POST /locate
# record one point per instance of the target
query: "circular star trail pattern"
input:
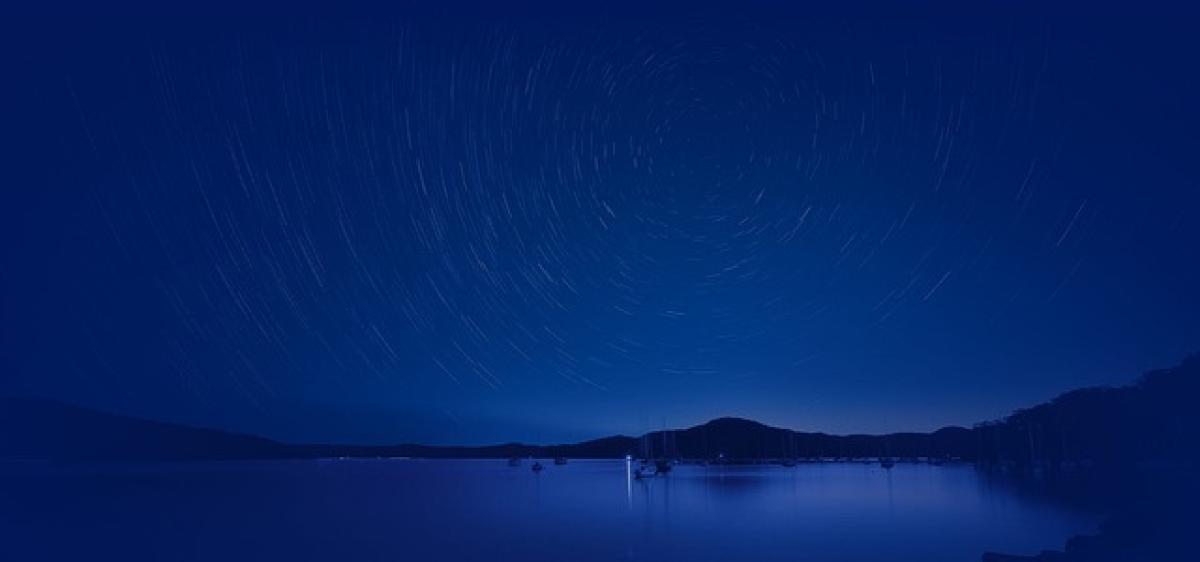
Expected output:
(512, 222)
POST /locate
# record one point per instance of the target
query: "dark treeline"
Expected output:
(1152, 420)
(1143, 439)
(1155, 420)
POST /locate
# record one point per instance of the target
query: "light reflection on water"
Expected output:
(485, 510)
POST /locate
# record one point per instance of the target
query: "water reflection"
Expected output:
(484, 510)
(936, 513)
(629, 481)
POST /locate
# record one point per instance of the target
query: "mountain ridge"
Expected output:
(1150, 419)
(70, 432)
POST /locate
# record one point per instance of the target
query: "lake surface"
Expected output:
(402, 510)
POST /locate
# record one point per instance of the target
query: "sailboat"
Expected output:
(887, 462)
(662, 465)
(651, 466)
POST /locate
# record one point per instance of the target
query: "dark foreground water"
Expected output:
(401, 510)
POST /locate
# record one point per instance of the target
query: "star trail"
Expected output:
(464, 230)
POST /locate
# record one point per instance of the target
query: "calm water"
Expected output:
(484, 510)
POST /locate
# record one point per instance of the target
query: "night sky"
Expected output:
(465, 227)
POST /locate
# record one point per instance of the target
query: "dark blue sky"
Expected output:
(470, 227)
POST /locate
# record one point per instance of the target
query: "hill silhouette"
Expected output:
(1152, 420)
(37, 428)
(45, 429)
